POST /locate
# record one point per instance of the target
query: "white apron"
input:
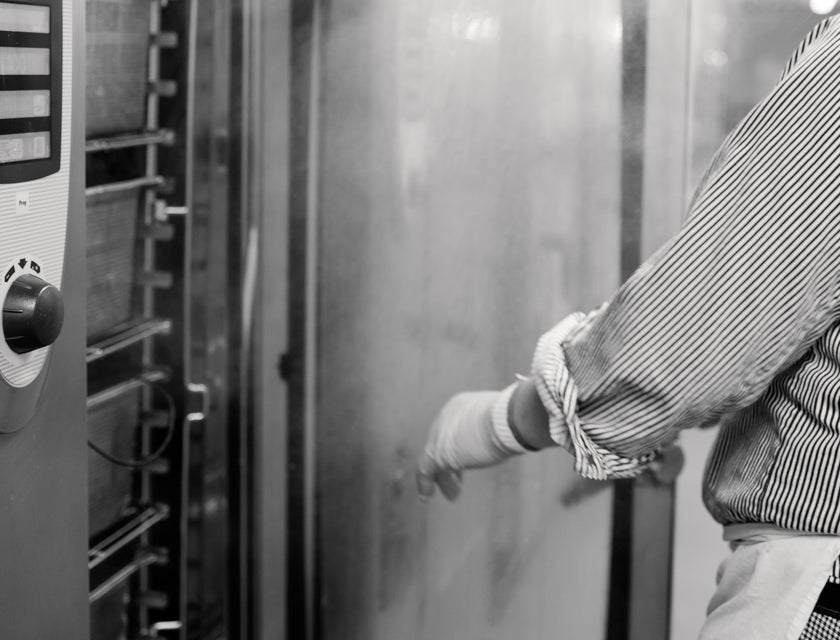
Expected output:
(769, 584)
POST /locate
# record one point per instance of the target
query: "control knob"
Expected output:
(33, 313)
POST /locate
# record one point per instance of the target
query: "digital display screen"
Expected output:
(24, 104)
(24, 146)
(24, 18)
(26, 83)
(24, 61)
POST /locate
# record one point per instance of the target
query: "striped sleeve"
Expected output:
(738, 295)
(805, 46)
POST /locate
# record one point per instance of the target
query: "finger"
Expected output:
(449, 482)
(425, 475)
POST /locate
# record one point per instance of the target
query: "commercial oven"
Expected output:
(42, 381)
(167, 550)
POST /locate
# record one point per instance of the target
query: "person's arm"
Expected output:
(741, 293)
(527, 416)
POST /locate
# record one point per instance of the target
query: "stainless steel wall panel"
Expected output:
(270, 24)
(467, 199)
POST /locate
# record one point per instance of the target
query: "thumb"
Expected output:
(425, 475)
(430, 473)
(449, 482)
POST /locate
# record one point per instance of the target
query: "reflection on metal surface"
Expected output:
(582, 489)
(664, 471)
(615, 28)
(715, 58)
(822, 7)
(667, 467)
(474, 26)
(159, 627)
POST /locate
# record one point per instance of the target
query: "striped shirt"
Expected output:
(734, 322)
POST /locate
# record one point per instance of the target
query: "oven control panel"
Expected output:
(35, 113)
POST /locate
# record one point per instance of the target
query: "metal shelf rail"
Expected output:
(130, 140)
(154, 212)
(141, 381)
(140, 334)
(127, 533)
(142, 559)
(128, 337)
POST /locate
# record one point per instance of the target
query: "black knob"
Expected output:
(33, 313)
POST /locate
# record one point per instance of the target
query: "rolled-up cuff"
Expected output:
(559, 394)
(549, 371)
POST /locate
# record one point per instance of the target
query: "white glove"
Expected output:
(470, 432)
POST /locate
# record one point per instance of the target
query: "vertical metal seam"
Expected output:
(688, 130)
(252, 126)
(189, 185)
(311, 328)
(249, 247)
(633, 108)
(631, 184)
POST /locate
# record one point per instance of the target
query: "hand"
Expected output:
(461, 437)
(666, 466)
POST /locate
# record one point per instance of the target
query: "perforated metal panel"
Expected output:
(109, 616)
(112, 254)
(117, 54)
(112, 427)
